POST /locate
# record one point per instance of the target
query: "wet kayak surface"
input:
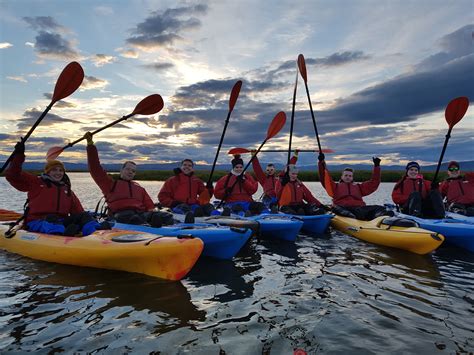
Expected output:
(326, 294)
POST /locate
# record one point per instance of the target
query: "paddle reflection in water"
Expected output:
(58, 307)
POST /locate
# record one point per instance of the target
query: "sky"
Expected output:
(380, 75)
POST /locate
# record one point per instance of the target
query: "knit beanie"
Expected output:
(237, 160)
(412, 164)
(51, 164)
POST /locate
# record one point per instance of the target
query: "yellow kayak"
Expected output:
(391, 232)
(169, 258)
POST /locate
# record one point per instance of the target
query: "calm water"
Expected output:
(329, 294)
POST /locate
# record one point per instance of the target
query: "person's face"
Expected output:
(293, 176)
(347, 176)
(454, 172)
(412, 173)
(238, 168)
(56, 173)
(187, 167)
(128, 172)
(270, 170)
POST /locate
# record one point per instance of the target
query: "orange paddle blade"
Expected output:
(54, 152)
(455, 110)
(328, 183)
(277, 124)
(238, 151)
(69, 80)
(149, 105)
(234, 95)
(285, 198)
(204, 197)
(302, 67)
(6, 215)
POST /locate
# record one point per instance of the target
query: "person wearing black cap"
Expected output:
(415, 195)
(238, 197)
(458, 190)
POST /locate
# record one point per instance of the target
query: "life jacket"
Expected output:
(348, 194)
(182, 188)
(127, 195)
(242, 191)
(299, 193)
(405, 186)
(458, 190)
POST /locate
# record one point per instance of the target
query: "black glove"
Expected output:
(209, 186)
(175, 203)
(434, 185)
(176, 171)
(20, 147)
(228, 190)
(321, 156)
(376, 161)
(285, 180)
(241, 177)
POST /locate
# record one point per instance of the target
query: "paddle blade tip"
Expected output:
(238, 151)
(69, 81)
(53, 153)
(456, 110)
(276, 125)
(234, 95)
(149, 105)
(302, 67)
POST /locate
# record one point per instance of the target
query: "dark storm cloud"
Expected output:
(164, 28)
(54, 45)
(158, 66)
(30, 117)
(43, 23)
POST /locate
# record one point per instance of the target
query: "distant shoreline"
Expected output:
(359, 175)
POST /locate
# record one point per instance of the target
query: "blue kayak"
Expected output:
(284, 227)
(460, 217)
(219, 242)
(316, 224)
(456, 232)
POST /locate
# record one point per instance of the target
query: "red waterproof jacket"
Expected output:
(268, 182)
(405, 186)
(350, 194)
(242, 191)
(459, 190)
(182, 188)
(45, 197)
(119, 194)
(299, 193)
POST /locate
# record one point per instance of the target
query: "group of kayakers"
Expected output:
(52, 206)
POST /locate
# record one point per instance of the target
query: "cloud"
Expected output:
(158, 66)
(31, 116)
(4, 45)
(100, 60)
(17, 78)
(49, 42)
(60, 103)
(43, 23)
(164, 28)
(104, 10)
(91, 82)
(128, 53)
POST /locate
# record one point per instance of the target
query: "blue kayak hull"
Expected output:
(456, 232)
(277, 226)
(460, 217)
(317, 224)
(219, 242)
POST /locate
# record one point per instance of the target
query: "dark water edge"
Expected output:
(328, 294)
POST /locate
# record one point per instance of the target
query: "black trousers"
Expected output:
(431, 206)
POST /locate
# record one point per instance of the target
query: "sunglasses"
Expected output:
(453, 169)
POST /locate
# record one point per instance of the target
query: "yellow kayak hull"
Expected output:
(413, 239)
(168, 258)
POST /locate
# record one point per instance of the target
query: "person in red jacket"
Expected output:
(181, 192)
(236, 189)
(416, 196)
(458, 190)
(301, 201)
(52, 208)
(268, 179)
(347, 195)
(128, 202)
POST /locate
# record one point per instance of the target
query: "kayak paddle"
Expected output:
(148, 106)
(69, 80)
(245, 150)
